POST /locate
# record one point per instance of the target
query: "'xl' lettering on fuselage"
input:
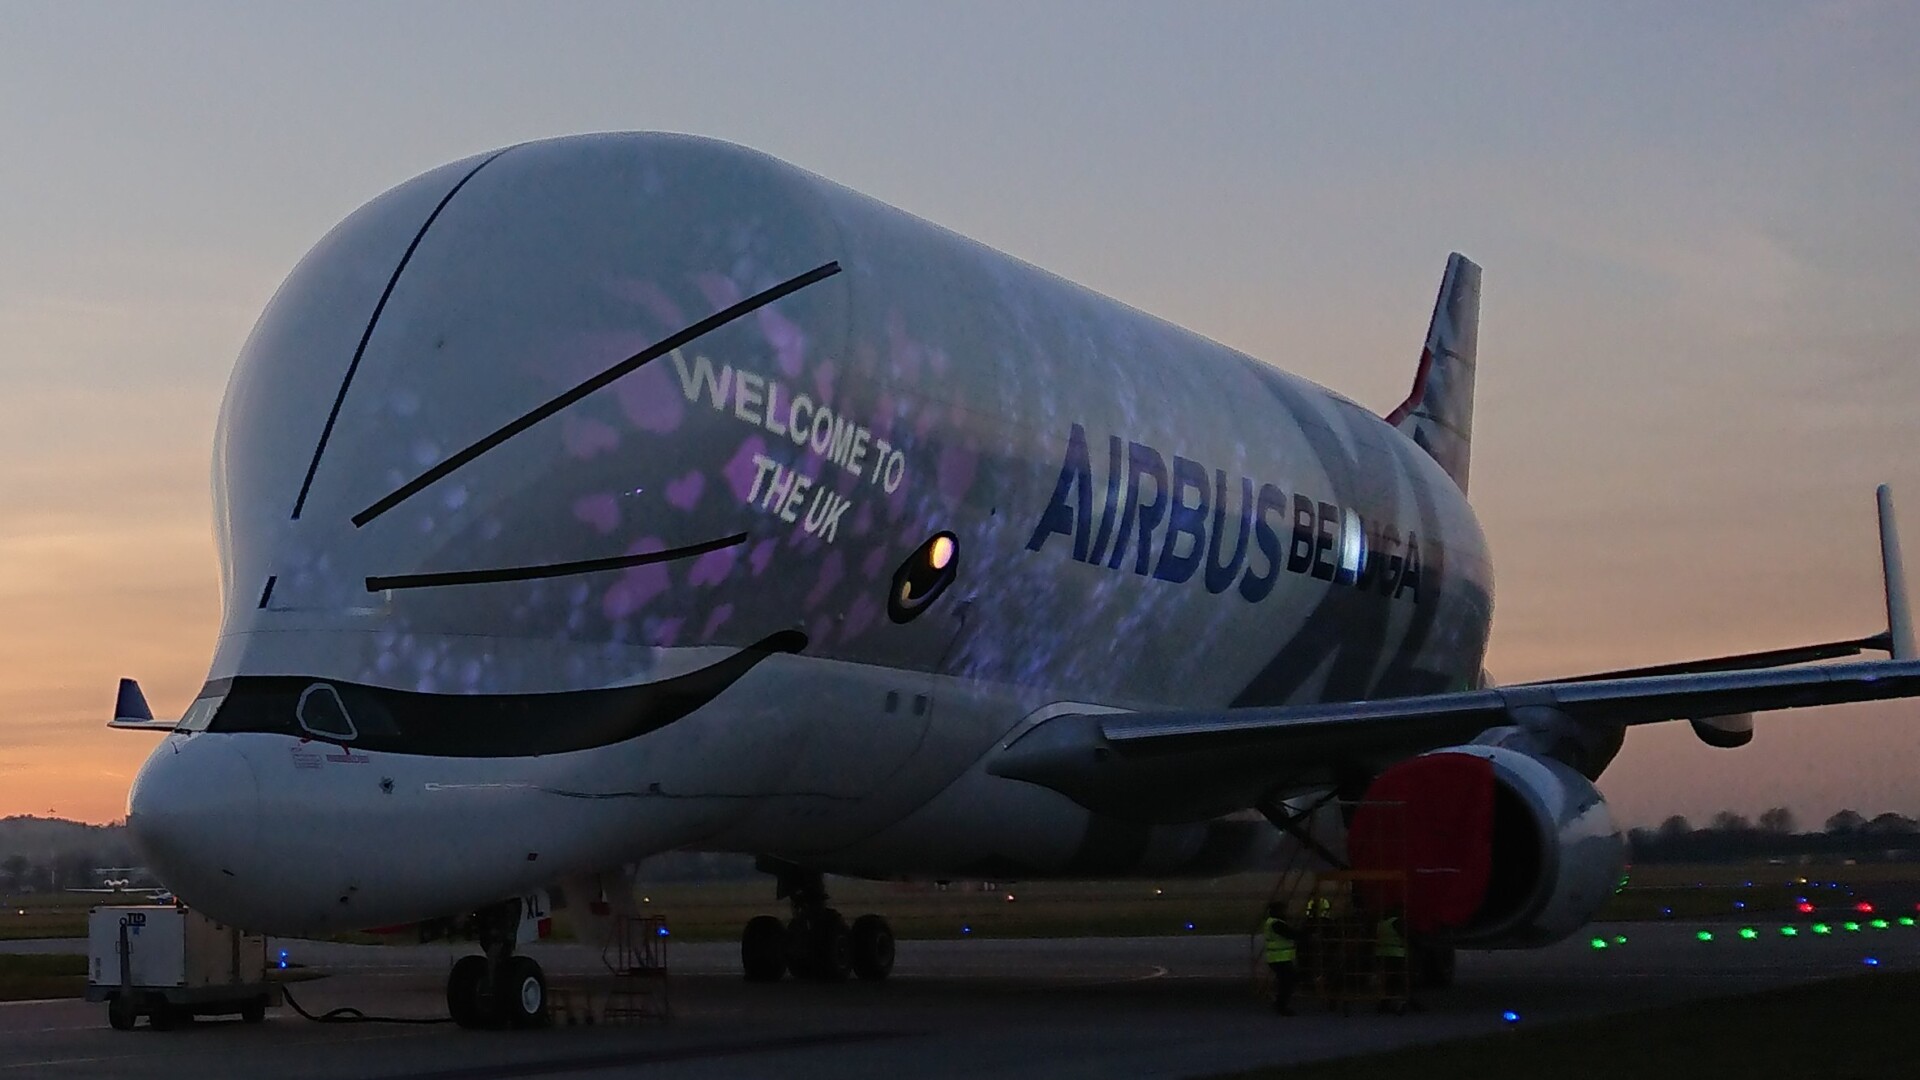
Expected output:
(1142, 498)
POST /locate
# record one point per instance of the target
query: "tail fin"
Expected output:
(1438, 413)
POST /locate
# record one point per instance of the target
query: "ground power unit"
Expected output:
(171, 963)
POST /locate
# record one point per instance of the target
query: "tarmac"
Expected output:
(1056, 1008)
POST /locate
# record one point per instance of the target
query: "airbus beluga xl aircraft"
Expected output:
(623, 493)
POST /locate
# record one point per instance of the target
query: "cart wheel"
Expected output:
(254, 1011)
(164, 1016)
(120, 1013)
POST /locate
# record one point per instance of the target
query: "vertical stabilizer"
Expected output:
(1438, 413)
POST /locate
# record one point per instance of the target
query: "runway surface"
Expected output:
(1160, 1007)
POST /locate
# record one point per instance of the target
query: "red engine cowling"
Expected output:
(1503, 849)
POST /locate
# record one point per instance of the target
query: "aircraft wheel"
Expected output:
(253, 1012)
(819, 947)
(763, 949)
(120, 1013)
(522, 995)
(872, 948)
(464, 992)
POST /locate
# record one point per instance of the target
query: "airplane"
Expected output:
(622, 493)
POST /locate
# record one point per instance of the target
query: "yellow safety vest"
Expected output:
(1280, 948)
(1319, 908)
(1387, 940)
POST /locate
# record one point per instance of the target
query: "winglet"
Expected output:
(1899, 615)
(130, 710)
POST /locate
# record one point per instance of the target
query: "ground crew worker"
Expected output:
(1390, 952)
(1319, 915)
(1279, 950)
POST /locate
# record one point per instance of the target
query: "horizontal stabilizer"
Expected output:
(131, 712)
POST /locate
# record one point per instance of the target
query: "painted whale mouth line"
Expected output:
(393, 721)
(652, 352)
(547, 570)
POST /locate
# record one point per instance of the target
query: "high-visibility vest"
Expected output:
(1387, 940)
(1319, 908)
(1280, 948)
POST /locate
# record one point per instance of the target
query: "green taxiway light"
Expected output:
(1598, 943)
(1788, 931)
(1622, 939)
(1906, 920)
(1705, 935)
(1822, 928)
(1749, 933)
(1850, 927)
(1878, 924)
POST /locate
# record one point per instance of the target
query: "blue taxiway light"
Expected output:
(1510, 1016)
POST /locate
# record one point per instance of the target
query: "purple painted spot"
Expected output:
(762, 557)
(667, 633)
(715, 620)
(956, 471)
(875, 563)
(788, 340)
(585, 437)
(832, 569)
(600, 511)
(863, 519)
(685, 492)
(823, 373)
(651, 400)
(713, 567)
(719, 290)
(656, 302)
(741, 470)
(638, 586)
(860, 615)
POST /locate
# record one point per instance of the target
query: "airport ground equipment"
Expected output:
(641, 988)
(170, 964)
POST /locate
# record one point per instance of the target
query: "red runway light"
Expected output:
(1805, 908)
(1863, 907)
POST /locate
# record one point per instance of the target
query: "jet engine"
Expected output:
(1504, 849)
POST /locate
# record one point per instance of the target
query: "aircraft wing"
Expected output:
(1181, 764)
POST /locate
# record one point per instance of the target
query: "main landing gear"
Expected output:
(816, 943)
(497, 989)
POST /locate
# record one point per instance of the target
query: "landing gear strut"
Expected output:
(497, 989)
(816, 943)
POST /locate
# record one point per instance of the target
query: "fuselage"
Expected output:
(1140, 516)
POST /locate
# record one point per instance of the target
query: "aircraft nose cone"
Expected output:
(193, 812)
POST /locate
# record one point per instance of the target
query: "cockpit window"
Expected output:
(323, 715)
(200, 713)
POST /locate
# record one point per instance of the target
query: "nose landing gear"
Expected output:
(497, 989)
(816, 943)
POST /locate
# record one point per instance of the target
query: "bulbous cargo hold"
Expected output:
(902, 381)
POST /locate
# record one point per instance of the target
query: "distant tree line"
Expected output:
(1731, 836)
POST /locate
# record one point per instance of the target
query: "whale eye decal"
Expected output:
(923, 577)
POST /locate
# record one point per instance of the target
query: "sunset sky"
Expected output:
(1700, 228)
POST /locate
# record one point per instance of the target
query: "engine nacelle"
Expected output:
(1507, 850)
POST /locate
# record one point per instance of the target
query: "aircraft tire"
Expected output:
(872, 948)
(763, 949)
(120, 1013)
(254, 1011)
(819, 947)
(522, 995)
(464, 992)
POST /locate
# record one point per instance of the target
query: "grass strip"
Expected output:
(26, 978)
